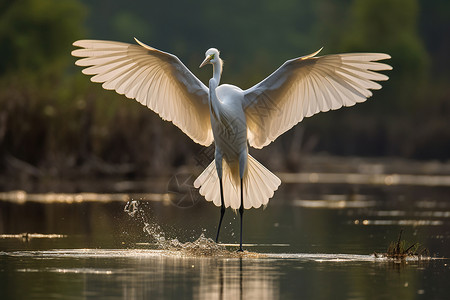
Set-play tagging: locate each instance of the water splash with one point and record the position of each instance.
(202, 246)
(132, 208)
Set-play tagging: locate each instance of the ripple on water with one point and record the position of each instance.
(196, 254)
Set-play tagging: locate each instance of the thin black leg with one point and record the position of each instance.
(222, 209)
(241, 212)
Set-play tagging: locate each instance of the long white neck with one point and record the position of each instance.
(217, 70)
(213, 84)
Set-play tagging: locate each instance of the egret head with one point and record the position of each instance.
(211, 57)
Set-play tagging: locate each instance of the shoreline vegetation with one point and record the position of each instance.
(100, 176)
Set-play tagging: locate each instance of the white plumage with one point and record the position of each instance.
(231, 117)
(156, 79)
(260, 185)
(307, 85)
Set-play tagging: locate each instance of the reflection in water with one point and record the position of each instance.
(77, 271)
(333, 204)
(373, 179)
(401, 222)
(238, 279)
(156, 274)
(22, 197)
(27, 236)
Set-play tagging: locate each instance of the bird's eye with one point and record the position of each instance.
(212, 56)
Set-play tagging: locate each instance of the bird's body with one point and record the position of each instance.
(228, 122)
(231, 117)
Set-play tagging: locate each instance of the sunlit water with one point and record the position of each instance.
(313, 241)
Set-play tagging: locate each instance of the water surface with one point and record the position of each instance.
(313, 241)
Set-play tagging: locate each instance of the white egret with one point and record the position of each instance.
(231, 117)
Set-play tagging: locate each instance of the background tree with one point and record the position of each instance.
(53, 119)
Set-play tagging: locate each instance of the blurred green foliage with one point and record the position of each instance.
(37, 109)
(395, 33)
(53, 120)
(36, 34)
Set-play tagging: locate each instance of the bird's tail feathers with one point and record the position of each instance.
(259, 185)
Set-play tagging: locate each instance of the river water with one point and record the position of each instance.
(315, 240)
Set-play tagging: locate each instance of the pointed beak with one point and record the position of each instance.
(207, 60)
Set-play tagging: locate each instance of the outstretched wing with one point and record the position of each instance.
(307, 85)
(156, 79)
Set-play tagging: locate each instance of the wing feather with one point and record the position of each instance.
(308, 85)
(154, 78)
